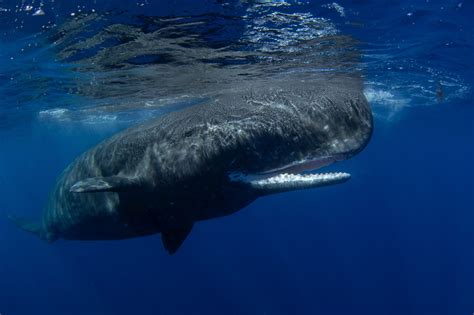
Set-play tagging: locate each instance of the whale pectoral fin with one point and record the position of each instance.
(106, 184)
(172, 239)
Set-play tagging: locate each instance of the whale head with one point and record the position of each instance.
(301, 131)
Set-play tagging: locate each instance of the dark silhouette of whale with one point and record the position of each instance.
(208, 161)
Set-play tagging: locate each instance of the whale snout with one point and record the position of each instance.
(328, 132)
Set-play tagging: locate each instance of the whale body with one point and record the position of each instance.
(207, 161)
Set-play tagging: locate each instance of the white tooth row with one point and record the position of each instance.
(308, 178)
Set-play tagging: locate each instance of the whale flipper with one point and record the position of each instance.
(103, 184)
(172, 239)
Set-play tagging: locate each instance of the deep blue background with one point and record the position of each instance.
(398, 238)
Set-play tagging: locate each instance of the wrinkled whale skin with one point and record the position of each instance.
(166, 174)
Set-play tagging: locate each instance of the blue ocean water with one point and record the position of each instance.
(395, 239)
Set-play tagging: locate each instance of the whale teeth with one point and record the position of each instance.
(310, 180)
(286, 182)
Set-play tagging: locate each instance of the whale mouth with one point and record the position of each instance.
(295, 176)
(286, 182)
(306, 165)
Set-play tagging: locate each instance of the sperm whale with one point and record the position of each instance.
(207, 161)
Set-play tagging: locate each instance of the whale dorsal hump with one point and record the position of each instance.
(106, 184)
(172, 239)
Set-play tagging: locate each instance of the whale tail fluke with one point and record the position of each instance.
(27, 225)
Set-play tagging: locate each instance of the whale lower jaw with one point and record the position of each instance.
(288, 182)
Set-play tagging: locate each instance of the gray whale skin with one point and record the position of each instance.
(207, 161)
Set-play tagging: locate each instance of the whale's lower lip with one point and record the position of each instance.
(300, 181)
(297, 175)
